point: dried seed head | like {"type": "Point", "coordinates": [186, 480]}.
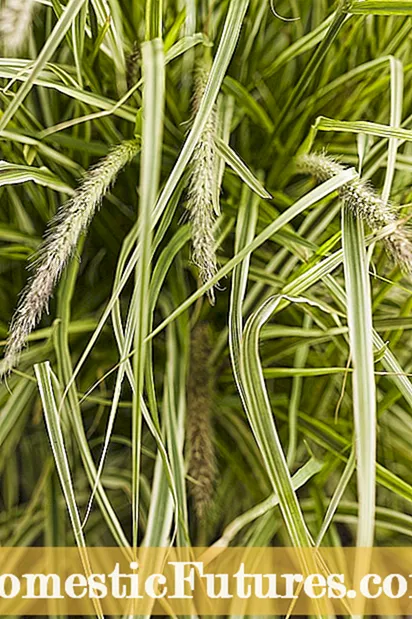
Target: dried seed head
{"type": "Point", "coordinates": [360, 197]}
{"type": "Point", "coordinates": [15, 23]}
{"type": "Point", "coordinates": [133, 66]}
{"type": "Point", "coordinates": [201, 190]}
{"type": "Point", "coordinates": [58, 246]}
{"type": "Point", "coordinates": [201, 457]}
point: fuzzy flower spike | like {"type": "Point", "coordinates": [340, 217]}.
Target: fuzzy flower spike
{"type": "Point", "coordinates": [201, 190]}
{"type": "Point", "coordinates": [15, 24]}
{"type": "Point", "coordinates": [201, 455]}
{"type": "Point", "coordinates": [360, 197]}
{"type": "Point", "coordinates": [58, 246]}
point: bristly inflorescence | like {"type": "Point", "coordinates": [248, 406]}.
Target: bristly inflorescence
{"type": "Point", "coordinates": [133, 69]}
{"type": "Point", "coordinates": [58, 246]}
{"type": "Point", "coordinates": [15, 24]}
{"type": "Point", "coordinates": [199, 436]}
{"type": "Point", "coordinates": [360, 197]}
{"type": "Point", "coordinates": [201, 190]}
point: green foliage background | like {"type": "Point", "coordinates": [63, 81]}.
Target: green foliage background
{"type": "Point", "coordinates": [338, 77]}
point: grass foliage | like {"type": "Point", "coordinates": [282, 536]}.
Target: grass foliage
{"type": "Point", "coordinates": [303, 387]}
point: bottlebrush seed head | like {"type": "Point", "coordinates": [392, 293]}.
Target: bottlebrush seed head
{"type": "Point", "coordinates": [361, 198]}
{"type": "Point", "coordinates": [133, 70]}
{"type": "Point", "coordinates": [58, 246]}
{"type": "Point", "coordinates": [201, 190]}
{"type": "Point", "coordinates": [199, 436]}
{"type": "Point", "coordinates": [15, 24]}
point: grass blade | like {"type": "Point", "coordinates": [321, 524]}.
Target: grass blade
{"type": "Point", "coordinates": [152, 136]}
{"type": "Point", "coordinates": [261, 420]}
{"type": "Point", "coordinates": [52, 418]}
{"type": "Point", "coordinates": [364, 391]}
{"type": "Point", "coordinates": [299, 207]}
{"type": "Point", "coordinates": [241, 169]}
{"type": "Point", "coordinates": [64, 23]}
{"type": "Point", "coordinates": [381, 7]}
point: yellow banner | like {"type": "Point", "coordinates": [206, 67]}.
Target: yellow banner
{"type": "Point", "coordinates": [205, 581]}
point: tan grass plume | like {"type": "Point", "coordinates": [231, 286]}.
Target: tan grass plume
{"type": "Point", "coordinates": [364, 202]}
{"type": "Point", "coordinates": [199, 436]}
{"type": "Point", "coordinates": [58, 246]}
{"type": "Point", "coordinates": [201, 189]}
{"type": "Point", "coordinates": [133, 70]}
{"type": "Point", "coordinates": [15, 24]}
